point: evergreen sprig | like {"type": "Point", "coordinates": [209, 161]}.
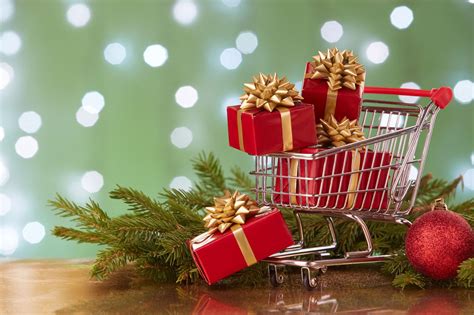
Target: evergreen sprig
{"type": "Point", "coordinates": [152, 235]}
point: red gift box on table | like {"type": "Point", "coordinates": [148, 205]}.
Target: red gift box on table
{"type": "Point", "coordinates": [337, 181]}
{"type": "Point", "coordinates": [334, 84]}
{"type": "Point", "coordinates": [220, 255]}
{"type": "Point", "coordinates": [259, 132]}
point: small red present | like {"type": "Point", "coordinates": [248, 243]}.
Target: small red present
{"type": "Point", "coordinates": [235, 242]}
{"type": "Point", "coordinates": [349, 179]}
{"type": "Point", "coordinates": [259, 132]}
{"type": "Point", "coordinates": [345, 180]}
{"type": "Point", "coordinates": [271, 118]}
{"type": "Point", "coordinates": [334, 84]}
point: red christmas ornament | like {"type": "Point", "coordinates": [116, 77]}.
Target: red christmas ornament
{"type": "Point", "coordinates": [438, 241]}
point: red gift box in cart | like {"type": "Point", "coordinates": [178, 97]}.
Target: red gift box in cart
{"type": "Point", "coordinates": [400, 130]}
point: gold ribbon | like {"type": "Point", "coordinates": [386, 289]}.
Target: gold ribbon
{"type": "Point", "coordinates": [239, 129]}
{"type": "Point", "coordinates": [331, 100]}
{"type": "Point", "coordinates": [292, 182]}
{"type": "Point", "coordinates": [286, 132]}
{"type": "Point", "coordinates": [244, 244]}
{"type": "Point", "coordinates": [354, 179]}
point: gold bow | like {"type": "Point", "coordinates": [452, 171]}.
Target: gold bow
{"type": "Point", "coordinates": [334, 133]}
{"type": "Point", "coordinates": [269, 92]}
{"type": "Point", "coordinates": [340, 68]}
{"type": "Point", "coordinates": [230, 210]}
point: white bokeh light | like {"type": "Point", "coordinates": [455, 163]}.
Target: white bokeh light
{"type": "Point", "coordinates": [115, 53]}
{"type": "Point", "coordinates": [185, 11]}
{"type": "Point", "coordinates": [92, 181]}
{"type": "Point", "coordinates": [181, 137]}
{"type": "Point", "coordinates": [4, 174]}
{"type": "Point", "coordinates": [6, 75]}
{"type": "Point", "coordinates": [401, 17]}
{"type": "Point", "coordinates": [231, 100]}
{"type": "Point", "coordinates": [464, 91]}
{"type": "Point", "coordinates": [2, 134]}
{"type": "Point", "coordinates": [155, 55]}
{"type": "Point", "coordinates": [181, 182]}
{"type": "Point", "coordinates": [472, 158]}
{"type": "Point", "coordinates": [5, 204]}
{"type": "Point", "coordinates": [377, 52]}
{"type": "Point", "coordinates": [33, 232]}
{"type": "Point", "coordinates": [413, 174]}
{"type": "Point", "coordinates": [469, 178]}
{"type": "Point", "coordinates": [30, 122]}
{"type": "Point", "coordinates": [78, 14]}
{"type": "Point", "coordinates": [7, 8]}
{"type": "Point", "coordinates": [246, 42]}
{"type": "Point", "coordinates": [231, 58]}
{"type": "Point", "coordinates": [231, 3]}
{"type": "Point", "coordinates": [10, 43]}
{"type": "Point", "coordinates": [409, 99]}
{"type": "Point", "coordinates": [8, 240]}
{"type": "Point", "coordinates": [392, 120]}
{"type": "Point", "coordinates": [85, 118]}
{"type": "Point", "coordinates": [186, 96]}
{"type": "Point", "coordinates": [93, 102]}
{"type": "Point", "coordinates": [332, 31]}
{"type": "Point", "coordinates": [26, 147]}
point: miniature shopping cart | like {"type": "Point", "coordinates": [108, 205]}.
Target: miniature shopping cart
{"type": "Point", "coordinates": [380, 183]}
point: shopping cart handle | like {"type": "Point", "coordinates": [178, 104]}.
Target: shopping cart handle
{"type": "Point", "coordinates": [440, 96]}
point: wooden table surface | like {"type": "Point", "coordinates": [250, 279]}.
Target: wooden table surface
{"type": "Point", "coordinates": [64, 287]}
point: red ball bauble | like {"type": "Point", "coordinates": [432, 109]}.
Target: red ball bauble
{"type": "Point", "coordinates": [437, 242]}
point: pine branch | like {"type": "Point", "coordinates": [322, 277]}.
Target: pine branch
{"type": "Point", "coordinates": [397, 264]}
{"type": "Point", "coordinates": [240, 180]}
{"type": "Point", "coordinates": [465, 277]}
{"type": "Point", "coordinates": [409, 278]}
{"type": "Point", "coordinates": [153, 235]}
{"type": "Point", "coordinates": [79, 236]}
{"type": "Point", "coordinates": [138, 202]}
{"type": "Point", "coordinates": [108, 261]}
{"type": "Point", "coordinates": [91, 216]}
{"type": "Point", "coordinates": [209, 172]}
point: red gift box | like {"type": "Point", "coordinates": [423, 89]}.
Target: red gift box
{"type": "Point", "coordinates": [354, 172]}
{"type": "Point", "coordinates": [341, 103]}
{"type": "Point", "coordinates": [259, 132]}
{"type": "Point", "coordinates": [221, 255]}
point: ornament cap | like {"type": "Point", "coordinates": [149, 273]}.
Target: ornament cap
{"type": "Point", "coordinates": [439, 204]}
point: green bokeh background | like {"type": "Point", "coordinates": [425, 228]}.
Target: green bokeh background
{"type": "Point", "coordinates": [130, 144]}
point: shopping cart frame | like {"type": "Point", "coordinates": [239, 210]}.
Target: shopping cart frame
{"type": "Point", "coordinates": [400, 189]}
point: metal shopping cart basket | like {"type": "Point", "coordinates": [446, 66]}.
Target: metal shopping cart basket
{"type": "Point", "coordinates": [373, 179]}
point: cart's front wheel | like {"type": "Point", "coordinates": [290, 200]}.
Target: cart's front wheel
{"type": "Point", "coordinates": [310, 282]}
{"type": "Point", "coordinates": [276, 279]}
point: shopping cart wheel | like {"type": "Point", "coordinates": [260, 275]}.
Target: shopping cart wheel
{"type": "Point", "coordinates": [310, 282]}
{"type": "Point", "coordinates": [276, 279]}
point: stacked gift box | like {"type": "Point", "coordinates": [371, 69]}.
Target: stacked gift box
{"type": "Point", "coordinates": [273, 117]}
